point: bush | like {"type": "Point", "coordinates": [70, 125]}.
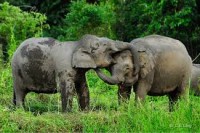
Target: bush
{"type": "Point", "coordinates": [174, 18]}
{"type": "Point", "coordinates": [17, 25]}
{"type": "Point", "coordinates": [84, 18]}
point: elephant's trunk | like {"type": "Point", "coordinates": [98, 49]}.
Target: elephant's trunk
{"type": "Point", "coordinates": [110, 80]}
{"type": "Point", "coordinates": [128, 46]}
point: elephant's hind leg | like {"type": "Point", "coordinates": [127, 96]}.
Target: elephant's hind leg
{"type": "Point", "coordinates": [19, 93]}
{"type": "Point", "coordinates": [20, 96]}
{"type": "Point", "coordinates": [14, 97]}
{"type": "Point", "coordinates": [181, 92]}
{"type": "Point", "coordinates": [173, 98]}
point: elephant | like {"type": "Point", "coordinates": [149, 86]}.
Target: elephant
{"type": "Point", "coordinates": [195, 80]}
{"type": "Point", "coordinates": [123, 72]}
{"type": "Point", "coordinates": [165, 69]}
{"type": "Point", "coordinates": [46, 65]}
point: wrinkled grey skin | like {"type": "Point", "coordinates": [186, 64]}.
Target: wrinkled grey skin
{"type": "Point", "coordinates": [45, 65]}
{"type": "Point", "coordinates": [123, 72]}
{"type": "Point", "coordinates": [165, 69]}
{"type": "Point", "coordinates": [195, 80]}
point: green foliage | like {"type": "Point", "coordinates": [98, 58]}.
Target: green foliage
{"type": "Point", "coordinates": [17, 25]}
{"type": "Point", "coordinates": [43, 112]}
{"type": "Point", "coordinates": [157, 17]}
{"type": "Point", "coordinates": [174, 18]}
{"type": "Point", "coordinates": [84, 18]}
{"type": "Point", "coordinates": [54, 10]}
{"type": "Point", "coordinates": [121, 19]}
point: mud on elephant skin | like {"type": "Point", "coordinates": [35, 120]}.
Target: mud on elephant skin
{"type": "Point", "coordinates": [195, 80]}
{"type": "Point", "coordinates": [45, 65]}
{"type": "Point", "coordinates": [165, 69]}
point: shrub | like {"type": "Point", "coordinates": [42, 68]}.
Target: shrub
{"type": "Point", "coordinates": [84, 18]}
{"type": "Point", "coordinates": [174, 18]}
{"type": "Point", "coordinates": [17, 25]}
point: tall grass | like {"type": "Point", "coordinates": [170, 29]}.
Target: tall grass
{"type": "Point", "coordinates": [43, 113]}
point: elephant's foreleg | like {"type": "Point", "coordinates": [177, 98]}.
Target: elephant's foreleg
{"type": "Point", "coordinates": [124, 93]}
{"type": "Point", "coordinates": [83, 94]}
{"type": "Point", "coordinates": [140, 93]}
{"type": "Point", "coordinates": [143, 86]}
{"type": "Point", "coordinates": [141, 90]}
{"type": "Point", "coordinates": [66, 88]}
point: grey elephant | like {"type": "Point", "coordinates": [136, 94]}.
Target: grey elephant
{"type": "Point", "coordinates": [195, 80]}
{"type": "Point", "coordinates": [165, 69]}
{"type": "Point", "coordinates": [45, 65]}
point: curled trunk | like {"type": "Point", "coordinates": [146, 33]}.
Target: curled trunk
{"type": "Point", "coordinates": [136, 59]}
{"type": "Point", "coordinates": [110, 80]}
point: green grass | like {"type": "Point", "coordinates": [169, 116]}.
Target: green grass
{"type": "Point", "coordinates": [43, 112]}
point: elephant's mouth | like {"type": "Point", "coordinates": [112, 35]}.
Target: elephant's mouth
{"type": "Point", "coordinates": [126, 84]}
{"type": "Point", "coordinates": [131, 81]}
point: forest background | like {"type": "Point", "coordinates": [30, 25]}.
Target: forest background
{"type": "Point", "coordinates": [122, 20]}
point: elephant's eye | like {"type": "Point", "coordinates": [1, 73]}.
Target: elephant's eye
{"type": "Point", "coordinates": [95, 46]}
{"type": "Point", "coordinates": [134, 68]}
{"type": "Point", "coordinates": [126, 67]}
{"type": "Point", "coordinates": [109, 49]}
{"type": "Point", "coordinates": [124, 56]}
{"type": "Point", "coordinates": [92, 51]}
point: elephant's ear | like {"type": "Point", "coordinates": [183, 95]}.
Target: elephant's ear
{"type": "Point", "coordinates": [82, 59]}
{"type": "Point", "coordinates": [147, 62]}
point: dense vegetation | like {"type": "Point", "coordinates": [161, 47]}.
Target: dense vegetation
{"type": "Point", "coordinates": [116, 19]}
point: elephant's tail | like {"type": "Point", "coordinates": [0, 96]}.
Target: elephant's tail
{"type": "Point", "coordinates": [14, 98]}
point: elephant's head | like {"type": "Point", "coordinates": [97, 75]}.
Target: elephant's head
{"type": "Point", "coordinates": [122, 71]}
{"type": "Point", "coordinates": [96, 52]}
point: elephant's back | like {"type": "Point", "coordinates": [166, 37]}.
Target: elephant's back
{"type": "Point", "coordinates": [165, 44]}
{"type": "Point", "coordinates": [196, 66]}
{"type": "Point", "coordinates": [34, 46]}
{"type": "Point", "coordinates": [195, 73]}
{"type": "Point", "coordinates": [43, 41]}
{"type": "Point", "coordinates": [165, 49]}
{"type": "Point", "coordinates": [159, 45]}
{"type": "Point", "coordinates": [32, 50]}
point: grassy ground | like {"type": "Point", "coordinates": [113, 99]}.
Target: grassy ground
{"type": "Point", "coordinates": [43, 113]}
